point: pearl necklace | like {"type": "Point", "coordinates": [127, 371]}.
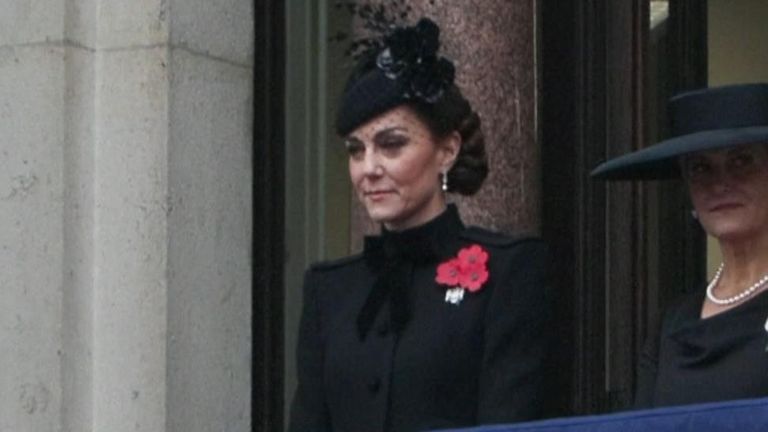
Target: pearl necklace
{"type": "Point", "coordinates": [738, 297]}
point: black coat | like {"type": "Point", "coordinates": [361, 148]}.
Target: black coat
{"type": "Point", "coordinates": [480, 361]}
{"type": "Point", "coordinates": [694, 360]}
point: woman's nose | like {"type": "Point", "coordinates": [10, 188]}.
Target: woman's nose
{"type": "Point", "coordinates": [371, 164]}
{"type": "Point", "coordinates": [722, 179]}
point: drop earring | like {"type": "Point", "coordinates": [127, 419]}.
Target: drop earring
{"type": "Point", "coordinates": [694, 214]}
{"type": "Point", "coordinates": [445, 181]}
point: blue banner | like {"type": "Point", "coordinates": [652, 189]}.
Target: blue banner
{"type": "Point", "coordinates": [749, 415]}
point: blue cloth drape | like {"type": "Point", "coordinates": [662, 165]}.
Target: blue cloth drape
{"type": "Point", "coordinates": [748, 415]}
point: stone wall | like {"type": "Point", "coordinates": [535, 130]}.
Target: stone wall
{"type": "Point", "coordinates": [125, 215]}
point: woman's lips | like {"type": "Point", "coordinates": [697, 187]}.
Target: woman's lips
{"type": "Point", "coordinates": [724, 206]}
{"type": "Point", "coordinates": [377, 195]}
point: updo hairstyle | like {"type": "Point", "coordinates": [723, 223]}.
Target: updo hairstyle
{"type": "Point", "coordinates": [454, 113]}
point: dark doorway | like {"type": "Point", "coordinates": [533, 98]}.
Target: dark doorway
{"type": "Point", "coordinates": [268, 240]}
{"type": "Point", "coordinates": [619, 247]}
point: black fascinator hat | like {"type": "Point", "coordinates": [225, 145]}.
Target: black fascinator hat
{"type": "Point", "coordinates": [701, 120]}
{"type": "Point", "coordinates": [403, 67]}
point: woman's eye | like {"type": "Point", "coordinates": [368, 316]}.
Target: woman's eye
{"type": "Point", "coordinates": [392, 144]}
{"type": "Point", "coordinates": [354, 149]}
{"type": "Point", "coordinates": [742, 160]}
{"type": "Point", "coordinates": [697, 168]}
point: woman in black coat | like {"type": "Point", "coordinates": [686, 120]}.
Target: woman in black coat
{"type": "Point", "coordinates": [434, 325]}
{"type": "Point", "coordinates": [713, 344]}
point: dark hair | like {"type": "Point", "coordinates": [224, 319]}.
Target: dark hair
{"type": "Point", "coordinates": [454, 113]}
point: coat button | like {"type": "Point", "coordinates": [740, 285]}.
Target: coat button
{"type": "Point", "coordinates": [374, 385]}
{"type": "Point", "coordinates": [383, 329]}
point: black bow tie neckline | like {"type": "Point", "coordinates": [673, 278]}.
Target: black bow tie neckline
{"type": "Point", "coordinates": [393, 255]}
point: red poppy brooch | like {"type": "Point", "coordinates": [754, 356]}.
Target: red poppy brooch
{"type": "Point", "coordinates": [466, 272]}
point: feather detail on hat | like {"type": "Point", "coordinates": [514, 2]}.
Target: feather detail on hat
{"type": "Point", "coordinates": [406, 67]}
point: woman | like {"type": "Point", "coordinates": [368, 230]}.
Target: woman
{"type": "Point", "coordinates": [713, 345]}
{"type": "Point", "coordinates": [434, 325]}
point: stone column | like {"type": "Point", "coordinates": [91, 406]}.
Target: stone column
{"type": "Point", "coordinates": [210, 215]}
{"type": "Point", "coordinates": [126, 216]}
{"type": "Point", "coordinates": [31, 214]}
{"type": "Point", "coordinates": [493, 45]}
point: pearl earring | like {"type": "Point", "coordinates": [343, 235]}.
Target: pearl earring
{"type": "Point", "coordinates": [445, 181]}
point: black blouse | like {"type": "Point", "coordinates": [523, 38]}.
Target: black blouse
{"type": "Point", "coordinates": [380, 349]}
{"type": "Point", "coordinates": [698, 360]}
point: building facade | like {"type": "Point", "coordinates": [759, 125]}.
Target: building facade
{"type": "Point", "coordinates": [169, 169]}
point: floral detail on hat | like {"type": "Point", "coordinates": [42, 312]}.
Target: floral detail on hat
{"type": "Point", "coordinates": [410, 55]}
{"type": "Point", "coordinates": [407, 53]}
{"type": "Point", "coordinates": [467, 272]}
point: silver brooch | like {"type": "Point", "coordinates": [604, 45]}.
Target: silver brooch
{"type": "Point", "coordinates": [456, 294]}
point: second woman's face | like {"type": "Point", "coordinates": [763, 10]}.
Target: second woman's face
{"type": "Point", "coordinates": [395, 165]}
{"type": "Point", "coordinates": [729, 190]}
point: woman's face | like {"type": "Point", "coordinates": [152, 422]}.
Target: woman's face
{"type": "Point", "coordinates": [395, 165]}
{"type": "Point", "coordinates": [729, 190]}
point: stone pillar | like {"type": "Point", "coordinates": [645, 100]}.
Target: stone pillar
{"type": "Point", "coordinates": [493, 45]}
{"type": "Point", "coordinates": [32, 115]}
{"type": "Point", "coordinates": [210, 206]}
{"type": "Point", "coordinates": [126, 215]}
{"type": "Point", "coordinates": [31, 126]}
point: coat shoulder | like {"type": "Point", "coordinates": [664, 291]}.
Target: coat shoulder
{"type": "Point", "coordinates": [496, 239]}
{"type": "Point", "coordinates": [325, 266]}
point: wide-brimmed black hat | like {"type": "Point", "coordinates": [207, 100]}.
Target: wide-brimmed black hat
{"type": "Point", "coordinates": [706, 119]}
